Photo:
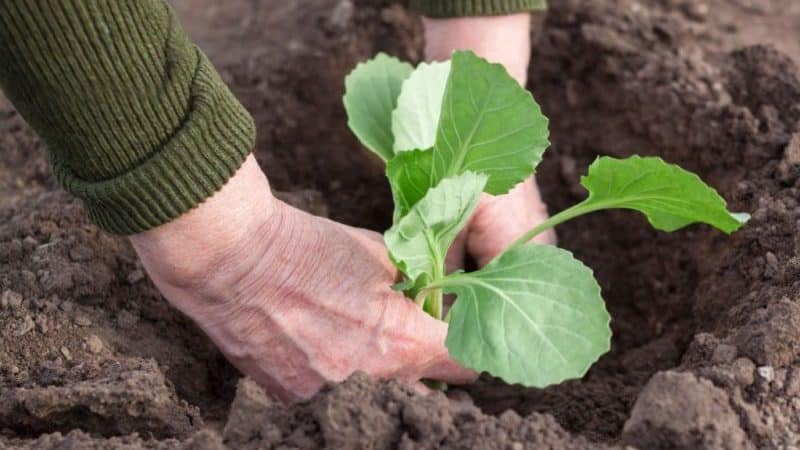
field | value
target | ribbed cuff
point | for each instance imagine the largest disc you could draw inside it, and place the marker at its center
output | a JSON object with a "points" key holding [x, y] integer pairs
{"points": [[461, 8], [210, 146], [138, 123]]}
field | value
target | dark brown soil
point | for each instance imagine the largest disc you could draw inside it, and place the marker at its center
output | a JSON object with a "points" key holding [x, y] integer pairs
{"points": [[706, 353]]}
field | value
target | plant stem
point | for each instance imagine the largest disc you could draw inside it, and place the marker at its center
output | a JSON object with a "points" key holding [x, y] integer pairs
{"points": [[436, 298], [565, 215], [421, 297], [435, 304], [431, 297]]}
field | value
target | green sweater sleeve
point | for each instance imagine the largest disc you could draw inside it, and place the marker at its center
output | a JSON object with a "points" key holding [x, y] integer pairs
{"points": [[137, 122], [460, 8]]}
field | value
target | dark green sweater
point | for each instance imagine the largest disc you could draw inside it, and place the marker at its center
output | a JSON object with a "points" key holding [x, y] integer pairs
{"points": [[458, 8], [137, 122]]}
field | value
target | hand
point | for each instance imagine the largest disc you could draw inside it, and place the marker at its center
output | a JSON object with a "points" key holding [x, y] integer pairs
{"points": [[498, 220], [292, 300], [499, 39]]}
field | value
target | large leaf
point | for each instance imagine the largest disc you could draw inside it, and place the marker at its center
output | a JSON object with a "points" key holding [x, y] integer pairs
{"points": [[489, 124], [409, 176], [669, 196], [416, 117], [419, 241], [532, 316], [371, 92]]}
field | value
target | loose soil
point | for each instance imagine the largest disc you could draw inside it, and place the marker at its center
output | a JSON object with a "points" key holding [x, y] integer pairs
{"points": [[706, 349]]}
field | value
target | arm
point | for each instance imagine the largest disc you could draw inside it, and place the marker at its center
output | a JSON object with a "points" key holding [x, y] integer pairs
{"points": [[125, 103], [500, 32], [141, 128], [502, 39]]}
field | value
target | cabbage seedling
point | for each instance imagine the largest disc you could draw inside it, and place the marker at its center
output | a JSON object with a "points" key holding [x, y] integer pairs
{"points": [[450, 131]]}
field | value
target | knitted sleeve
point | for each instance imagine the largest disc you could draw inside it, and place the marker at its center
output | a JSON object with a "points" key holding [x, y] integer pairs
{"points": [[138, 123], [460, 8]]}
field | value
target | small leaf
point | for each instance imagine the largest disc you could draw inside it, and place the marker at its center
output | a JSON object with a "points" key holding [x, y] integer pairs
{"points": [[371, 92], [412, 287], [489, 124], [669, 196], [409, 176], [419, 241], [416, 117], [532, 316]]}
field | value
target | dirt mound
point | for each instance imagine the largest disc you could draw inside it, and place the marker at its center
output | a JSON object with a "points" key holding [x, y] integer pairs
{"points": [[706, 349], [360, 413], [112, 398]]}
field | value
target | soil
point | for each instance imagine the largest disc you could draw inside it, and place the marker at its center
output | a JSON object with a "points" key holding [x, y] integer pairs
{"points": [[706, 349]]}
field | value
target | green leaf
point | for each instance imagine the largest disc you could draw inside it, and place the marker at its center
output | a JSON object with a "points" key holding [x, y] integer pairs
{"points": [[416, 117], [409, 176], [371, 92], [489, 124], [412, 287], [419, 241], [533, 316], [669, 196]]}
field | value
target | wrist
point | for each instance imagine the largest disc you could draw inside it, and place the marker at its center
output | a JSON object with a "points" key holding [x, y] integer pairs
{"points": [[211, 238], [500, 39]]}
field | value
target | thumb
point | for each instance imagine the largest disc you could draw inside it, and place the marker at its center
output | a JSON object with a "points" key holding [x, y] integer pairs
{"points": [[450, 371], [458, 250], [441, 366]]}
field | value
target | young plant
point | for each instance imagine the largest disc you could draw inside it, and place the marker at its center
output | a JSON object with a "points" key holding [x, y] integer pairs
{"points": [[450, 131]]}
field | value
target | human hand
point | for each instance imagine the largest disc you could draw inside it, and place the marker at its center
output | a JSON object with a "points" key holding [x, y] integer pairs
{"points": [[292, 300], [498, 220], [500, 39]]}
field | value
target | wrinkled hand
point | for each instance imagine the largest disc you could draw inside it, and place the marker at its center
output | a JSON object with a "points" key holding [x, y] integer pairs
{"points": [[497, 222], [291, 299]]}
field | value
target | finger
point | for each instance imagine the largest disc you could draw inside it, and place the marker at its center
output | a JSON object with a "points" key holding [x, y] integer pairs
{"points": [[450, 371], [373, 243], [361, 233], [455, 256], [549, 237], [449, 299], [420, 388], [440, 365]]}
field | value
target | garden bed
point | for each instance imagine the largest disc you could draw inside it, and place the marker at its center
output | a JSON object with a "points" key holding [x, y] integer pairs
{"points": [[706, 348]]}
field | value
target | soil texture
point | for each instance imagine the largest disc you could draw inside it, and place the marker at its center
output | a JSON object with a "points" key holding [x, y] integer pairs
{"points": [[706, 348]]}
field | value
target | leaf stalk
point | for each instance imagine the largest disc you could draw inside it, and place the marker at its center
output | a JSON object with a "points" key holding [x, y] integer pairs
{"points": [[570, 213]]}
